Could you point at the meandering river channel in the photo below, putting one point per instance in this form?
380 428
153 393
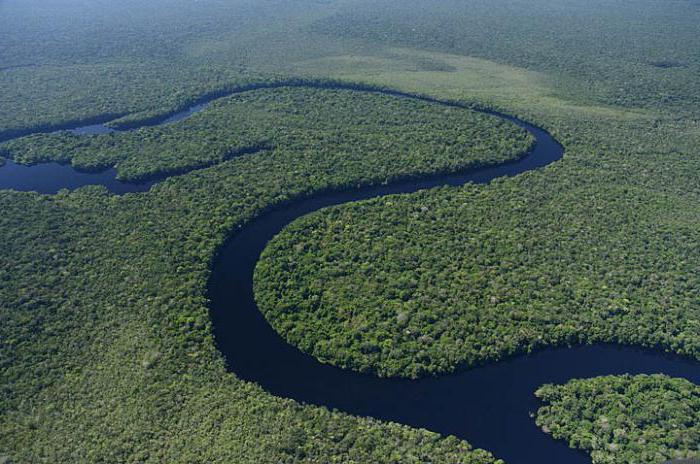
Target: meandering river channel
489 406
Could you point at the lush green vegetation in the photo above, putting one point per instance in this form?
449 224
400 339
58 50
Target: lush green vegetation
105 340
620 420
418 284
404 136
616 52
107 99
166 394
65 61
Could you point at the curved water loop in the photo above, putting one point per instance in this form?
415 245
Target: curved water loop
49 178
488 406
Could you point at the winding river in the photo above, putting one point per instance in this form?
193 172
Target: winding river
489 406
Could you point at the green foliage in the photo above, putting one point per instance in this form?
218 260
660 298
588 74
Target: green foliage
418 284
63 104
107 348
404 136
65 63
611 51
624 420
111 59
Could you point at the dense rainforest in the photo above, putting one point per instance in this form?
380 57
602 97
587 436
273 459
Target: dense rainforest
153 250
418 284
404 135
622 57
620 420
106 346
197 49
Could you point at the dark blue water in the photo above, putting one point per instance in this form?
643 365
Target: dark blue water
488 406
52 177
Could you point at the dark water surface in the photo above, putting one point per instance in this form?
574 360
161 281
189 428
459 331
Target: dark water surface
488 406
51 177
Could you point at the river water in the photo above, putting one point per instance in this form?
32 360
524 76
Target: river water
489 406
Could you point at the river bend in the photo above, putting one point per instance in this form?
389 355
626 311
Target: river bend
489 406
